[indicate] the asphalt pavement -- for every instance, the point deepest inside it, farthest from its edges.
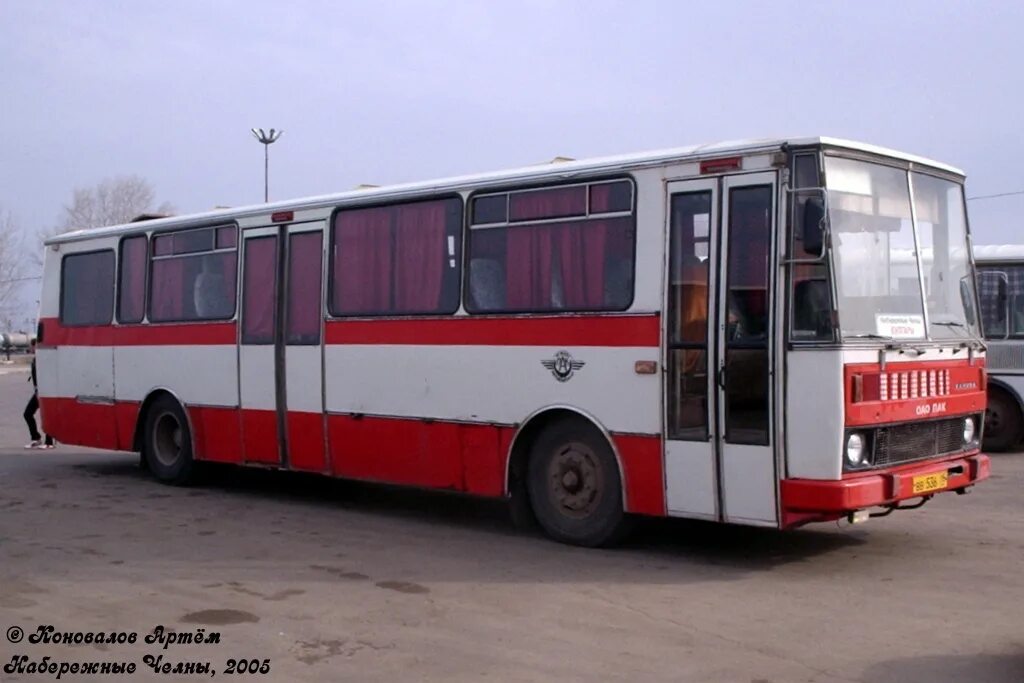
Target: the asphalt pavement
(321, 580)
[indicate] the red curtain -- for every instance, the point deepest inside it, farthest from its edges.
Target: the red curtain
(258, 309)
(555, 203)
(581, 249)
(420, 256)
(132, 293)
(362, 261)
(600, 198)
(528, 268)
(528, 265)
(166, 300)
(304, 270)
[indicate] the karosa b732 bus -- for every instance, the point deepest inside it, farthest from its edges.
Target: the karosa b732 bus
(719, 332)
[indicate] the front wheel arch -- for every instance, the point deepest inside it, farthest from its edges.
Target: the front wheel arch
(530, 429)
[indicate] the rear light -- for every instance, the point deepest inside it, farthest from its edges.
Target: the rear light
(282, 216)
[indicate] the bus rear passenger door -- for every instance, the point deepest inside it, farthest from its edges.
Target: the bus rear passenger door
(303, 347)
(258, 359)
(691, 471)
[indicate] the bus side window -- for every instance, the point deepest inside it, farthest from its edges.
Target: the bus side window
(193, 275)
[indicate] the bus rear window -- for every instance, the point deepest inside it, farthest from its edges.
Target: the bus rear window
(87, 288)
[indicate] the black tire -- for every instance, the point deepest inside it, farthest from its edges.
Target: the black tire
(167, 442)
(574, 485)
(1002, 421)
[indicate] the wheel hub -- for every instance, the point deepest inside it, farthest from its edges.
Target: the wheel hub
(167, 439)
(575, 480)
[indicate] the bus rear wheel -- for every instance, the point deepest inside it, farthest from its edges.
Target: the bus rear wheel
(1002, 421)
(167, 446)
(574, 485)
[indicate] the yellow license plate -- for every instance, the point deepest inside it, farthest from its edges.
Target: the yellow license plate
(930, 482)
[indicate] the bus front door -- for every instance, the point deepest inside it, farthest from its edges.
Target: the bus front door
(719, 457)
(281, 351)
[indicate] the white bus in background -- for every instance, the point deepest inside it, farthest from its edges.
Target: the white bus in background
(1001, 289)
(721, 332)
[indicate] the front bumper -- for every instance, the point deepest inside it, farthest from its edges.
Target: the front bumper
(809, 500)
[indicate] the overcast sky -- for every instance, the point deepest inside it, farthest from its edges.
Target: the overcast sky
(382, 92)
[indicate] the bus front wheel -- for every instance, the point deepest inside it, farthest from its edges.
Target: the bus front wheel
(1002, 421)
(167, 447)
(574, 485)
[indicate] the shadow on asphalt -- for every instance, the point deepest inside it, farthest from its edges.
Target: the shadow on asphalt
(707, 543)
(981, 668)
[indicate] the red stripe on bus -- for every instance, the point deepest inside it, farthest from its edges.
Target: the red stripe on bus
(510, 331)
(162, 334)
(641, 331)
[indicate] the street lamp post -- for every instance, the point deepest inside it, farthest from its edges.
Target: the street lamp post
(267, 139)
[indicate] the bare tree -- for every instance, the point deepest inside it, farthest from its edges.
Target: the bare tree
(111, 202)
(12, 265)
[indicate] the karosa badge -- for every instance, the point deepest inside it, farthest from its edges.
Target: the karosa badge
(562, 366)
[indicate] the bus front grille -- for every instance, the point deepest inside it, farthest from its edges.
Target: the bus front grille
(898, 444)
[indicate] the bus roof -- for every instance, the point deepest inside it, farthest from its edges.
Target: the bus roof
(561, 169)
(999, 252)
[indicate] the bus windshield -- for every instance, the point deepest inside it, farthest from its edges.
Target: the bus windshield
(899, 242)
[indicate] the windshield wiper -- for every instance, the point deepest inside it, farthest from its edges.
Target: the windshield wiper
(867, 335)
(955, 324)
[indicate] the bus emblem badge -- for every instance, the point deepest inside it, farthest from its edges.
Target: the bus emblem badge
(562, 366)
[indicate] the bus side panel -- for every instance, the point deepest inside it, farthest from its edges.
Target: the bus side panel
(643, 473)
(76, 392)
(814, 414)
(399, 451)
(217, 433)
(81, 424)
(126, 414)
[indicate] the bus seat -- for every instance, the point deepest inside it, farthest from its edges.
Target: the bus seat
(618, 283)
(208, 292)
(487, 283)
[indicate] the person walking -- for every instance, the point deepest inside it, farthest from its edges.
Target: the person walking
(32, 408)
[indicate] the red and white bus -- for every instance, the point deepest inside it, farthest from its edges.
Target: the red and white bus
(725, 332)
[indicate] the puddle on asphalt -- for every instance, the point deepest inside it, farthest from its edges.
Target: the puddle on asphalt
(403, 586)
(220, 617)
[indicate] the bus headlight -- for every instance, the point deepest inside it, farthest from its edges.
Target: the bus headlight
(856, 450)
(969, 430)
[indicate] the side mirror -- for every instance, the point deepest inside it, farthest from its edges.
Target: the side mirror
(814, 225)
